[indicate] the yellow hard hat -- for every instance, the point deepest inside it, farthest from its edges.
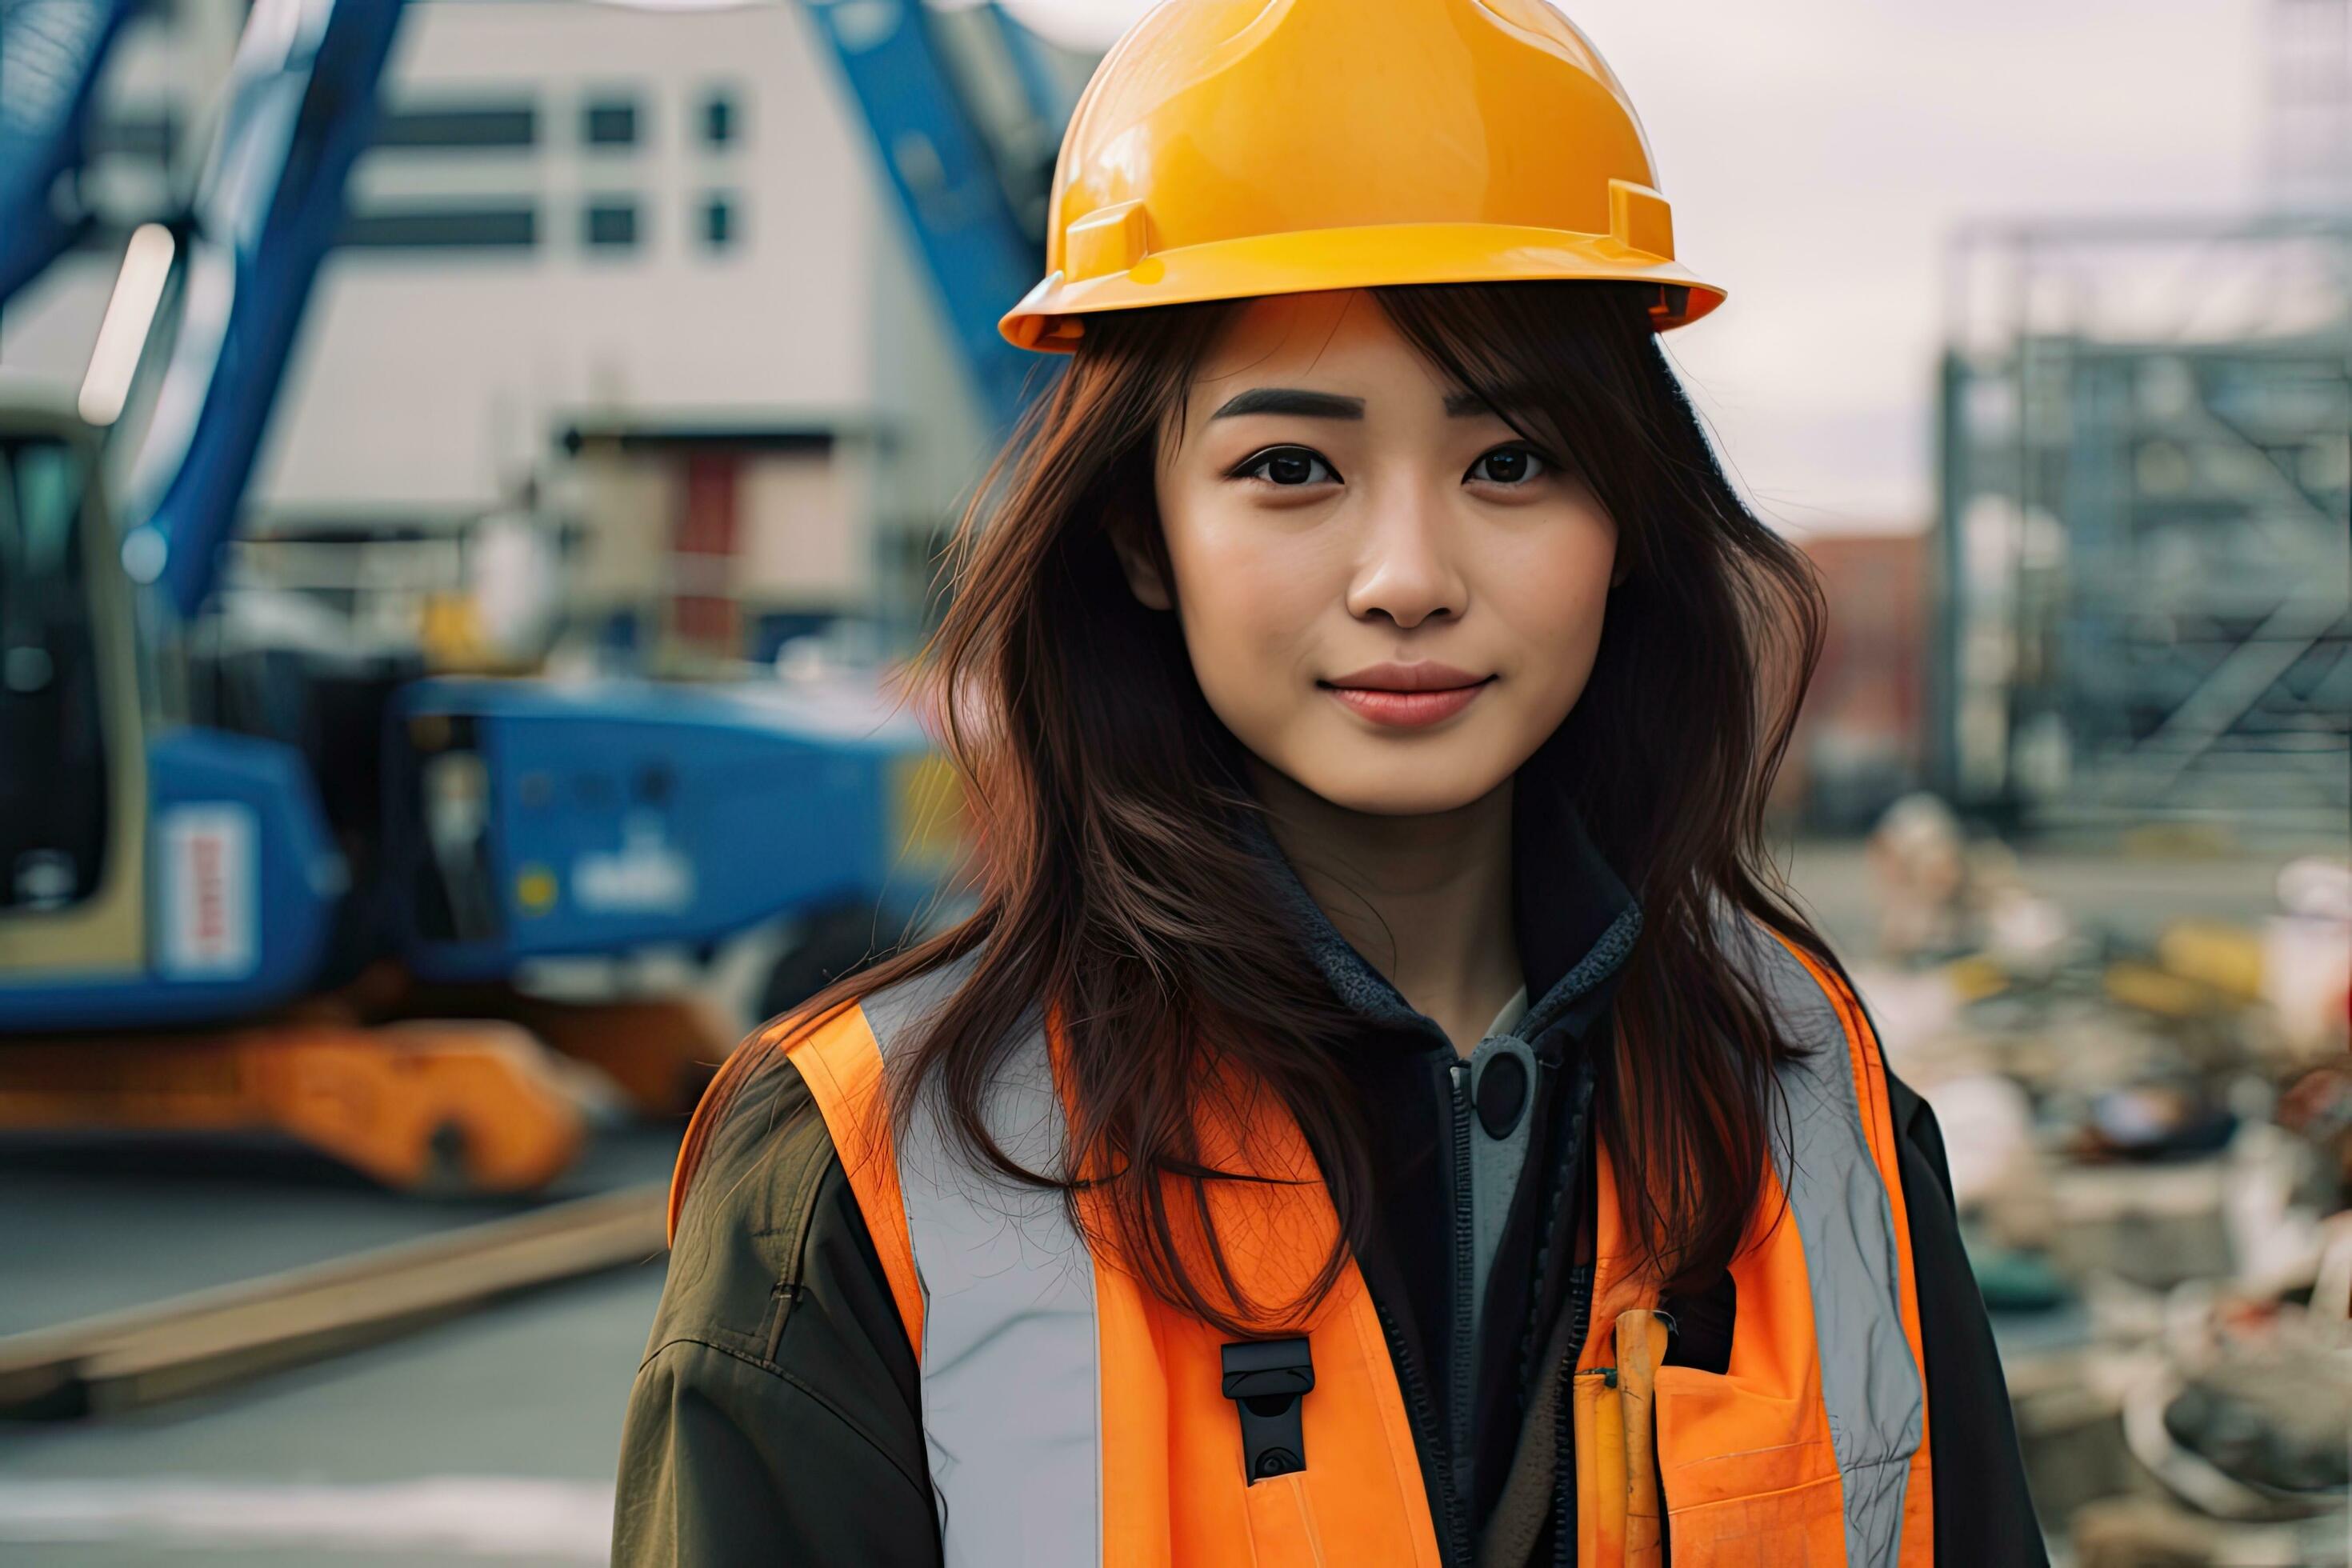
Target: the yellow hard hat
(1227, 149)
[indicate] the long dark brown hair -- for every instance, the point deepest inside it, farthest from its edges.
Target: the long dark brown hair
(1118, 889)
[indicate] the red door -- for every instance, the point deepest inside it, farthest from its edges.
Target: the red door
(702, 603)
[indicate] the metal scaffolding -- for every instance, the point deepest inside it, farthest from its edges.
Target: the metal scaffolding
(2145, 510)
(2145, 488)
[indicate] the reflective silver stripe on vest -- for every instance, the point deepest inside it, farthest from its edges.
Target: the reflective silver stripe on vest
(1011, 1391)
(1870, 1384)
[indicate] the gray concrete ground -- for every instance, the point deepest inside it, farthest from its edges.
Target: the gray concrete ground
(89, 1229)
(491, 1438)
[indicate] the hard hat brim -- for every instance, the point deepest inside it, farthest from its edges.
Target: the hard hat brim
(1375, 256)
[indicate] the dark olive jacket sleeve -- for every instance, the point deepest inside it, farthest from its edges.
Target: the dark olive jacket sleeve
(775, 1417)
(1983, 1511)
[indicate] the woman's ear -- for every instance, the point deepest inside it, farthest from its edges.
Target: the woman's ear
(1144, 566)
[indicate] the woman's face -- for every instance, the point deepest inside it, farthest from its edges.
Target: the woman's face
(1387, 595)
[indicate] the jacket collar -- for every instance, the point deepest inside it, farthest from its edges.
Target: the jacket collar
(1576, 922)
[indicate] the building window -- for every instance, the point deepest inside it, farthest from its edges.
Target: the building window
(502, 227)
(720, 225)
(610, 122)
(453, 126)
(720, 124)
(611, 225)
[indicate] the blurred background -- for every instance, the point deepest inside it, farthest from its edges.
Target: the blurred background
(471, 472)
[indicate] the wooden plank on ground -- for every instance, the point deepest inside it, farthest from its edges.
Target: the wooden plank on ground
(212, 1338)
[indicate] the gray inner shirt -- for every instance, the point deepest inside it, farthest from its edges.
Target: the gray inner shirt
(1495, 1162)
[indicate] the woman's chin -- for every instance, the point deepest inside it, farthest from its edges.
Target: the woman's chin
(1391, 785)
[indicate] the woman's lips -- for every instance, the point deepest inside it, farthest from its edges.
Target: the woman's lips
(1408, 709)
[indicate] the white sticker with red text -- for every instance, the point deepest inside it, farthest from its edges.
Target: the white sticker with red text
(210, 905)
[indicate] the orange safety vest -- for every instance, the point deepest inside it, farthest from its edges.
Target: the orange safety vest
(1072, 1418)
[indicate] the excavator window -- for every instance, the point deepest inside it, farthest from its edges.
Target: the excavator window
(52, 777)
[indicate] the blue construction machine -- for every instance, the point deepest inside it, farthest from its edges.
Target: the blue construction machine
(289, 890)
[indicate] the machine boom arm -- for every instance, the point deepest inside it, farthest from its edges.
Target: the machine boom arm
(301, 110)
(51, 52)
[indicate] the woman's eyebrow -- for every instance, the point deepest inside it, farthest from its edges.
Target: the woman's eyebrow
(1291, 400)
(1472, 404)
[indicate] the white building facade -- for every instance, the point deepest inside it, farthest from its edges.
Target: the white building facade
(635, 270)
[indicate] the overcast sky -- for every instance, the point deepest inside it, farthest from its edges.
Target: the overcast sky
(1819, 153)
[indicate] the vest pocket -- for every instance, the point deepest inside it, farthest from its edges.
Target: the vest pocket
(1282, 1523)
(1744, 1475)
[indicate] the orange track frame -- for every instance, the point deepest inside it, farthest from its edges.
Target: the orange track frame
(427, 1105)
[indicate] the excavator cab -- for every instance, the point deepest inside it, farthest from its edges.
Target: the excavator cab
(72, 762)
(177, 879)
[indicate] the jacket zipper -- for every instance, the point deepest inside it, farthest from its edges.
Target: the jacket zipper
(1455, 1526)
(1564, 1460)
(1461, 1375)
(1580, 1315)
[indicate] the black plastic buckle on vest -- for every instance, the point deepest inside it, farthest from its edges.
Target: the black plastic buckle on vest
(1266, 1379)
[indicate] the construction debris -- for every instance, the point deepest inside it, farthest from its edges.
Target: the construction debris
(2151, 1142)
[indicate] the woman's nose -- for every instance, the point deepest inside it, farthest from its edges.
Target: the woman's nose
(1405, 572)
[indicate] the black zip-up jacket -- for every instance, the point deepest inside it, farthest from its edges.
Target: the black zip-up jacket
(776, 1417)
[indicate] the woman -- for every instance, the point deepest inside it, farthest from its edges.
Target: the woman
(1382, 1112)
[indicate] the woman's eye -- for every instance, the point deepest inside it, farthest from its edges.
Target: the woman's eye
(1289, 467)
(1509, 465)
